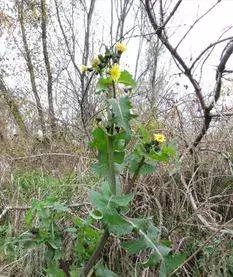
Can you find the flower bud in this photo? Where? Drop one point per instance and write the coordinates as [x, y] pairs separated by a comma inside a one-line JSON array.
[[95, 61], [83, 68], [120, 47]]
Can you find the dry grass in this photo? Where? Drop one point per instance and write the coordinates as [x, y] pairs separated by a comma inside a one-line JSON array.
[[187, 205]]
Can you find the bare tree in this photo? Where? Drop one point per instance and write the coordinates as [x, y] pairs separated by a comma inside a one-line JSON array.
[[156, 15], [186, 69]]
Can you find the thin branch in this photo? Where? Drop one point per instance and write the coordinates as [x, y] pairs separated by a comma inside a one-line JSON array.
[[176, 56], [30, 66], [217, 231], [206, 49], [171, 13], [40, 155], [25, 208], [196, 21], [66, 39]]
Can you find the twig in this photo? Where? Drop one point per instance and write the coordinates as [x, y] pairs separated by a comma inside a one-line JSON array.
[[202, 246], [172, 13], [194, 205], [207, 48], [196, 21], [25, 208], [40, 155]]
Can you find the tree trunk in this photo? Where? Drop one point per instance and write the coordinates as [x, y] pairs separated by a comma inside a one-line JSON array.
[[31, 67], [48, 68], [13, 107]]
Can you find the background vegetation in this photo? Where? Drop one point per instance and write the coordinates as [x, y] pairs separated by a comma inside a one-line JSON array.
[[49, 108]]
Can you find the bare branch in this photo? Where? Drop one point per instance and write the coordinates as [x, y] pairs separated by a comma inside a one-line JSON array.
[[196, 21], [171, 13], [25, 208], [175, 55], [207, 48], [217, 231]]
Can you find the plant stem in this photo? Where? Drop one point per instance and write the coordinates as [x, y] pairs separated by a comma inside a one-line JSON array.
[[114, 89], [95, 256], [112, 180], [111, 171], [135, 176]]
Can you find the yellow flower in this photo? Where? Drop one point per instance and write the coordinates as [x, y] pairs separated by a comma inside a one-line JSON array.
[[95, 61], [83, 68], [120, 47], [115, 72], [159, 138]]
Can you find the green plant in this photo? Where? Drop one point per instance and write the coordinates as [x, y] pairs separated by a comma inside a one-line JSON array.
[[110, 139], [111, 203]]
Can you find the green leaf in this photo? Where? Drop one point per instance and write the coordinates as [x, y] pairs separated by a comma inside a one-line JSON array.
[[29, 217], [96, 214], [127, 79], [146, 169], [116, 223], [141, 223], [122, 114], [154, 259], [78, 222], [163, 270], [169, 150], [100, 142], [75, 272], [101, 272], [135, 246], [122, 200], [60, 207], [133, 162], [163, 250], [174, 261], [98, 201], [103, 84], [106, 190], [53, 270], [143, 133], [153, 232]]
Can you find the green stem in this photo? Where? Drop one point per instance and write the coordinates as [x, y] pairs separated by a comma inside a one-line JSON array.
[[135, 176], [111, 171], [95, 256], [112, 180], [111, 167], [114, 89]]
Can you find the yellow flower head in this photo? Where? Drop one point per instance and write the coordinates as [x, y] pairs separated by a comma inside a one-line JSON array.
[[95, 61], [83, 68], [120, 47], [159, 138], [115, 72]]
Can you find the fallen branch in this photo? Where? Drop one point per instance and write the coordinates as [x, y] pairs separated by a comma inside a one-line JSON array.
[[25, 208]]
